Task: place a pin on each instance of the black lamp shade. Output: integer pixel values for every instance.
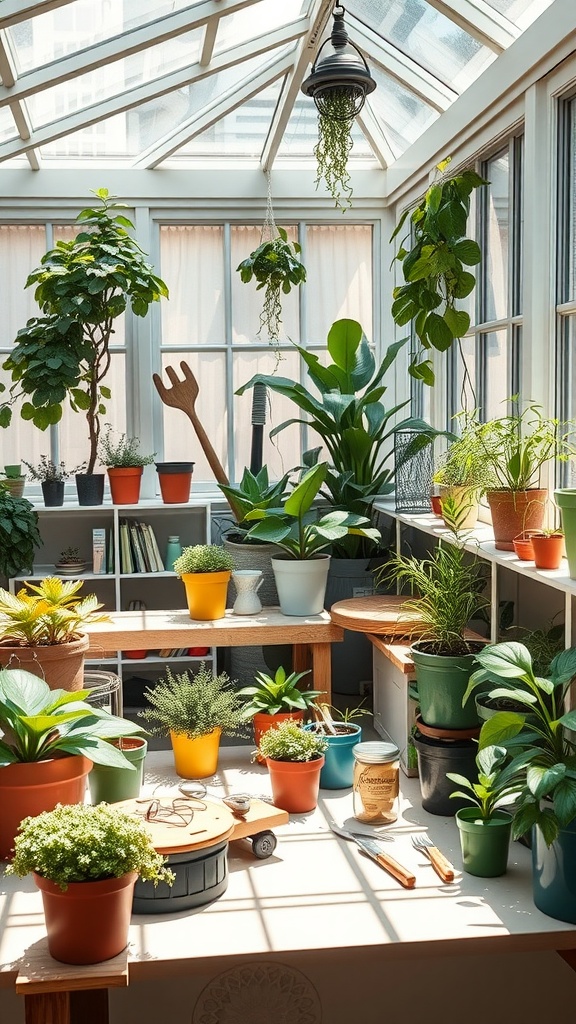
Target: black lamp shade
(342, 74)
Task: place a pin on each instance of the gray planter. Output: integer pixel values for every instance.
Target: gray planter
(351, 659)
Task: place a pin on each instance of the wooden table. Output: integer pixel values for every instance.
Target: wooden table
(310, 635)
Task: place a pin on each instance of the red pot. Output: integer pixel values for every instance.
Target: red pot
(175, 481)
(548, 550)
(523, 548)
(125, 484)
(436, 503)
(295, 784)
(262, 722)
(88, 922)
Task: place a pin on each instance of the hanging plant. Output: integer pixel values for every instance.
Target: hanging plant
(276, 267)
(434, 267)
(333, 147)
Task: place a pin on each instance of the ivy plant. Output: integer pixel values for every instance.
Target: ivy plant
(276, 268)
(434, 267)
(82, 287)
(333, 148)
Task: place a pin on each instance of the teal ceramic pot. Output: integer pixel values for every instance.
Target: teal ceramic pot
(442, 681)
(554, 874)
(338, 769)
(566, 500)
(109, 784)
(485, 844)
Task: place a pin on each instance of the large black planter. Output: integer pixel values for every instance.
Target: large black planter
(435, 758)
(53, 491)
(90, 488)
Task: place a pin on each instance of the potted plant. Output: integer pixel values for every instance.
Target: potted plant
(19, 535)
(85, 861)
(545, 755)
(294, 757)
(486, 827)
(125, 465)
(276, 268)
(205, 570)
(42, 630)
(110, 783)
(52, 476)
(81, 286)
(341, 734)
(548, 547)
(50, 738)
(70, 562)
(15, 480)
(301, 571)
(194, 710)
(272, 699)
(462, 471)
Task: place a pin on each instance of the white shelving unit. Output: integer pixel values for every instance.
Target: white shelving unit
(71, 525)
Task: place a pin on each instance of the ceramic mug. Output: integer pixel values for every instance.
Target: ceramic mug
(247, 583)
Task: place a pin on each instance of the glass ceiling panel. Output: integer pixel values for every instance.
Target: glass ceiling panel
(240, 133)
(301, 134)
(75, 26)
(427, 36)
(255, 21)
(403, 115)
(525, 11)
(7, 127)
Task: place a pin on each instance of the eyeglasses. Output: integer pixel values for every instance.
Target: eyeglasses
(178, 812)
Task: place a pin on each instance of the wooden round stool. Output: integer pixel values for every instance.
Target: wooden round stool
(380, 614)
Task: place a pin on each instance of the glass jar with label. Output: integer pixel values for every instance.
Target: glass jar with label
(376, 782)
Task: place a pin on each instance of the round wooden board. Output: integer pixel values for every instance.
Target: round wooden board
(209, 826)
(379, 613)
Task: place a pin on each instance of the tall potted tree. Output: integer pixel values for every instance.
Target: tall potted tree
(82, 287)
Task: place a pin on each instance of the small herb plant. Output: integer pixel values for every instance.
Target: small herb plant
(276, 268)
(194, 705)
(290, 742)
(70, 556)
(517, 446)
(434, 267)
(46, 614)
(47, 469)
(19, 534)
(333, 148)
(203, 558)
(495, 785)
(84, 843)
(122, 453)
(277, 694)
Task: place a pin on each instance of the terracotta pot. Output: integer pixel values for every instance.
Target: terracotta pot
(196, 758)
(27, 789)
(60, 665)
(515, 512)
(125, 484)
(436, 733)
(206, 594)
(436, 503)
(523, 547)
(89, 922)
(262, 722)
(295, 784)
(548, 550)
(175, 481)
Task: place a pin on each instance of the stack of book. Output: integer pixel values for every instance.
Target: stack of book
(139, 550)
(173, 652)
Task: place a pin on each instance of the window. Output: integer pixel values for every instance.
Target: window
(566, 276)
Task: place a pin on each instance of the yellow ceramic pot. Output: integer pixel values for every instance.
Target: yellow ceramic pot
(206, 594)
(195, 758)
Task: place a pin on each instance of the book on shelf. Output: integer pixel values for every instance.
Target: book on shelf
(137, 551)
(154, 555)
(126, 562)
(98, 550)
(110, 552)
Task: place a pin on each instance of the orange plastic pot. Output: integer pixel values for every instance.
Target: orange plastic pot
(198, 757)
(548, 550)
(262, 722)
(89, 922)
(125, 484)
(295, 784)
(523, 547)
(206, 594)
(175, 481)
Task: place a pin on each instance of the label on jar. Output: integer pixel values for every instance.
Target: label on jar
(375, 792)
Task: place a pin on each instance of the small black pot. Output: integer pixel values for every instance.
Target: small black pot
(90, 488)
(435, 758)
(53, 491)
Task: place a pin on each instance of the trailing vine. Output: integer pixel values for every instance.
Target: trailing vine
(434, 267)
(276, 268)
(333, 148)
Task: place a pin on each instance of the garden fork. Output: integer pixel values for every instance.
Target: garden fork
(182, 395)
(441, 865)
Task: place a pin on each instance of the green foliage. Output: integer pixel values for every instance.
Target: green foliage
(465, 462)
(81, 843)
(541, 749)
(19, 535)
(121, 453)
(203, 558)
(254, 491)
(356, 429)
(277, 694)
(194, 705)
(434, 267)
(288, 741)
(495, 784)
(81, 286)
(276, 267)
(291, 528)
(47, 613)
(333, 147)
(38, 723)
(517, 446)
(47, 469)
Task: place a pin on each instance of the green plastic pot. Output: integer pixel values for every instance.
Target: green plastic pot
(565, 498)
(109, 784)
(442, 681)
(485, 844)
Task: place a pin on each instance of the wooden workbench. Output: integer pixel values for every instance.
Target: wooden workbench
(309, 635)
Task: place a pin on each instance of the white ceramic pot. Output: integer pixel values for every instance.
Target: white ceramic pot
(301, 584)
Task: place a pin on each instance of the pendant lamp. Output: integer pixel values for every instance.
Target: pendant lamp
(341, 74)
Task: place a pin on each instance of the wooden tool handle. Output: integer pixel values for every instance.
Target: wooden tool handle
(396, 870)
(213, 460)
(441, 865)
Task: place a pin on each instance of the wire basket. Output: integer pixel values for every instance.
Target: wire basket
(413, 470)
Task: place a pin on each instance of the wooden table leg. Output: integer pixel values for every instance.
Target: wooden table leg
(79, 1007)
(569, 955)
(322, 669)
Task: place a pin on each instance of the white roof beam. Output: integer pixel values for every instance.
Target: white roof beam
(479, 20)
(372, 129)
(152, 90)
(319, 14)
(120, 46)
(17, 109)
(14, 11)
(209, 41)
(225, 104)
